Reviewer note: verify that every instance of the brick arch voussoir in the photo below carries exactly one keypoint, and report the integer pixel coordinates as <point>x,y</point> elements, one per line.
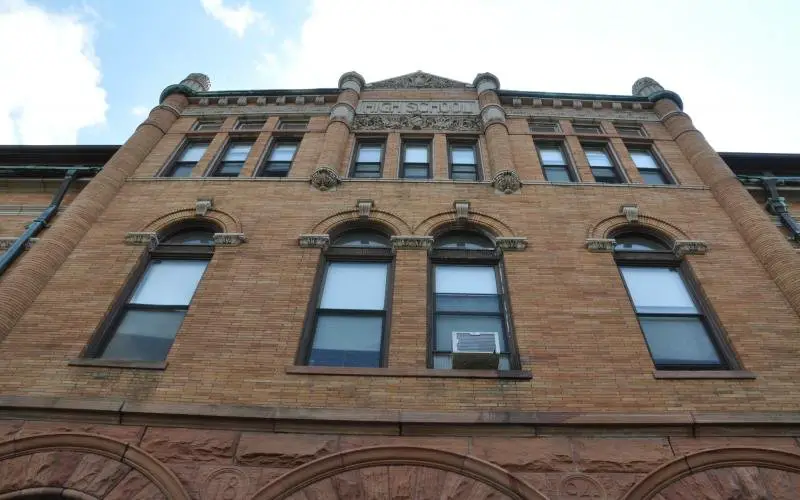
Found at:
<point>376,456</point>
<point>717,458</point>
<point>227,222</point>
<point>113,450</point>
<point>395,224</point>
<point>608,226</point>
<point>434,223</point>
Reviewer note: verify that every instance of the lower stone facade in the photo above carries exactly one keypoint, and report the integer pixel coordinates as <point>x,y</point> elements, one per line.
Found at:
<point>86,460</point>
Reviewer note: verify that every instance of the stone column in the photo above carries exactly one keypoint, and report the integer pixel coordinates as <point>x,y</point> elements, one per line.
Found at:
<point>501,161</point>
<point>23,283</point>
<point>341,118</point>
<point>764,239</point>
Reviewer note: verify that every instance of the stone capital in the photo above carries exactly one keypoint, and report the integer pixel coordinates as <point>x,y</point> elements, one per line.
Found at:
<point>600,244</point>
<point>314,240</point>
<point>491,114</point>
<point>689,247</point>
<point>511,243</point>
<point>352,81</point>
<point>412,242</point>
<point>653,91</point>
<point>486,81</point>
<point>343,112</point>
<point>229,239</point>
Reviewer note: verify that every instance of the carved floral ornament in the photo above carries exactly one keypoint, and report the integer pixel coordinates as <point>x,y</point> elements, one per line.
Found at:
<point>507,181</point>
<point>417,122</point>
<point>325,179</point>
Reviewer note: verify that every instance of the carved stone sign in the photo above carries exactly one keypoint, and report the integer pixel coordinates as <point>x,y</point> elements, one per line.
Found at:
<point>367,107</point>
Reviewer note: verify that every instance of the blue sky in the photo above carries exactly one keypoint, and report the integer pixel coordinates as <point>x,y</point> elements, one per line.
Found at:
<point>87,71</point>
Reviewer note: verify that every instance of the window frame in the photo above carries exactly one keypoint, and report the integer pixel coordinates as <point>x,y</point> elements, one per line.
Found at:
<point>175,161</point>
<point>428,143</point>
<point>542,122</point>
<point>464,142</point>
<point>597,126</point>
<point>640,131</point>
<point>357,148</point>
<point>459,257</point>
<point>220,161</point>
<point>202,122</point>
<point>569,166</point>
<point>283,122</point>
<point>105,331</point>
<point>666,259</point>
<point>669,178</point>
<point>335,254</point>
<point>615,164</point>
<point>243,122</point>
<point>274,142</point>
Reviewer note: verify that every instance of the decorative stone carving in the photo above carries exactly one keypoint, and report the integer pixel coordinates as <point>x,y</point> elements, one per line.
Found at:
<point>314,240</point>
<point>142,238</point>
<point>319,100</point>
<point>418,107</point>
<point>417,122</point>
<point>242,101</point>
<point>203,101</point>
<point>280,100</point>
<point>226,483</point>
<point>577,104</point>
<point>516,102</point>
<point>600,244</point>
<point>261,101</point>
<point>597,105</point>
<point>637,106</point>
<point>507,181</point>
<point>229,239</point>
<point>537,103</point>
<point>689,247</point>
<point>223,101</point>
<point>300,100</point>
<point>417,80</point>
<point>646,86</point>
<point>342,112</point>
<point>462,210</point>
<point>631,213</point>
<point>325,178</point>
<point>557,103</point>
<point>202,206</point>
<point>364,207</point>
<point>580,486</point>
<point>352,81</point>
<point>511,243</point>
<point>412,242</point>
<point>492,114</point>
<point>486,81</point>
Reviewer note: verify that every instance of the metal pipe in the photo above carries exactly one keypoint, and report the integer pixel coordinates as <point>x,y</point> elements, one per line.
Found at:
<point>39,223</point>
<point>777,205</point>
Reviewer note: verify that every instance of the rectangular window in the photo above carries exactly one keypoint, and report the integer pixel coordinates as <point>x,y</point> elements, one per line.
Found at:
<point>675,330</point>
<point>250,124</point>
<point>544,126</point>
<point>208,125</point>
<point>464,161</point>
<point>351,315</point>
<point>233,159</point>
<point>280,159</point>
<point>602,165</point>
<point>187,159</point>
<point>586,128</point>
<point>467,298</point>
<point>648,166</point>
<point>554,162</point>
<point>630,130</point>
<point>155,310</point>
<point>293,125</point>
<point>368,160</point>
<point>416,160</point>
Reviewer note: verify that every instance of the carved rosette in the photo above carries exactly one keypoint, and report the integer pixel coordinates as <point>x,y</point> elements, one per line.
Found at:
<point>600,244</point>
<point>325,179</point>
<point>229,239</point>
<point>412,242</point>
<point>417,122</point>
<point>507,181</point>
<point>142,238</point>
<point>689,247</point>
<point>314,240</point>
<point>511,243</point>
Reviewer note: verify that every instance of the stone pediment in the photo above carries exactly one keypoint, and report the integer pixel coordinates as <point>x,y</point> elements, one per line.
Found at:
<point>418,80</point>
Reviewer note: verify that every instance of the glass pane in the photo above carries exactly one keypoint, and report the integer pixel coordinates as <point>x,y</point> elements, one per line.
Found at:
<point>607,175</point>
<point>416,153</point>
<point>194,151</point>
<point>638,243</point>
<point>446,324</point>
<point>658,290</point>
<point>557,174</point>
<point>643,159</point>
<point>462,155</point>
<point>445,361</point>
<point>586,129</point>
<point>468,303</point>
<point>630,131</point>
<point>191,237</point>
<point>362,239</point>
<point>276,169</point>
<point>552,155</point>
<point>294,125</point>
<point>452,279</point>
<point>598,158</point>
<point>366,174</point>
<point>369,153</point>
<point>354,285</point>
<point>653,177</point>
<point>169,282</point>
<point>464,176</point>
<point>182,170</point>
<point>414,172</point>
<point>677,341</point>
<point>229,169</point>
<point>238,151</point>
<point>347,341</point>
<point>283,152</point>
<point>462,240</point>
<point>144,335</point>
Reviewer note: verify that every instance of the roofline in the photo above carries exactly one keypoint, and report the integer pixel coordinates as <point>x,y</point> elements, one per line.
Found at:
<point>559,95</point>
<point>267,92</point>
<point>743,155</point>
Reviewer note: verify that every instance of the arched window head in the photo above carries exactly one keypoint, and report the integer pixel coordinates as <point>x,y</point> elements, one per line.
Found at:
<point>637,242</point>
<point>463,240</point>
<point>362,238</point>
<point>191,237</point>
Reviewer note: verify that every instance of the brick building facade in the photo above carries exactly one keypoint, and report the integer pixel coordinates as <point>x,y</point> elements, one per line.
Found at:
<point>273,294</point>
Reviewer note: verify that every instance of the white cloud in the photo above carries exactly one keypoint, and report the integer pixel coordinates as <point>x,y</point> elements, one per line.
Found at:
<point>237,19</point>
<point>50,84</point>
<point>139,111</point>
<point>713,53</point>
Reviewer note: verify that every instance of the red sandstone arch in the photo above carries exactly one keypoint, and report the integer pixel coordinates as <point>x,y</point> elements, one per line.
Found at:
<point>374,456</point>
<point>719,458</point>
<point>69,452</point>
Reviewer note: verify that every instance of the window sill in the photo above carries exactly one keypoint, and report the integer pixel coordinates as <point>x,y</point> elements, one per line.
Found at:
<point>703,374</point>
<point>409,372</point>
<point>111,363</point>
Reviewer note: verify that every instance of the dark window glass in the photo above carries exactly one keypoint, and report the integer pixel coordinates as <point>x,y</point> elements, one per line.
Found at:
<point>359,238</point>
<point>463,240</point>
<point>187,159</point>
<point>416,160</point>
<point>554,163</point>
<point>638,243</point>
<point>601,165</point>
<point>293,125</point>
<point>280,159</point>
<point>586,129</point>
<point>544,126</point>
<point>233,159</point>
<point>463,162</point>
<point>250,124</point>
<point>630,131</point>
<point>648,167</point>
<point>208,126</point>
<point>191,237</point>
<point>369,157</point>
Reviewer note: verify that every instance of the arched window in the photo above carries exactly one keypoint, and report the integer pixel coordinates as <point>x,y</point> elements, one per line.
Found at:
<point>146,318</point>
<point>470,327</point>
<point>347,324</point>
<point>679,327</point>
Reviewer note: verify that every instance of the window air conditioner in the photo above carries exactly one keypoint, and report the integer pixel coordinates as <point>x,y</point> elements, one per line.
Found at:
<point>476,350</point>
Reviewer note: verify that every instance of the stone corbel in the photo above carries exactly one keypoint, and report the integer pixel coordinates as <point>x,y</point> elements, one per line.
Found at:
<point>631,213</point>
<point>507,181</point>
<point>364,207</point>
<point>462,210</point>
<point>511,243</point>
<point>600,244</point>
<point>412,242</point>
<point>325,179</point>
<point>229,239</point>
<point>689,247</point>
<point>202,206</point>
<point>142,238</point>
<point>314,241</point>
